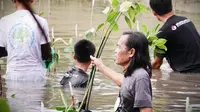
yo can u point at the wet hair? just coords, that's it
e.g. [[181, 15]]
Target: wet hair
[[83, 49], [45, 49], [161, 7], [141, 58]]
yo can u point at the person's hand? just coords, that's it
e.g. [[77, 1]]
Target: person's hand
[[98, 62]]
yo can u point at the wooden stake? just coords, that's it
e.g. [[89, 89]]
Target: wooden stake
[[1, 86], [72, 95]]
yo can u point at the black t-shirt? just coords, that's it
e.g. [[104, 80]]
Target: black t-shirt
[[183, 44], [76, 76]]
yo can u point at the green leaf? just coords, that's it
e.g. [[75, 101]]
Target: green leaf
[[128, 22], [125, 6], [115, 27], [70, 41], [13, 95], [100, 26], [56, 57], [159, 51], [131, 13], [42, 13], [137, 8], [134, 20], [59, 108], [162, 47], [106, 10], [112, 16], [155, 29], [115, 3], [142, 7], [89, 35], [4, 107], [71, 110], [144, 27], [152, 38], [159, 42]]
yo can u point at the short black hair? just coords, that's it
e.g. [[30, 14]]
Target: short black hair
[[161, 7], [83, 49]]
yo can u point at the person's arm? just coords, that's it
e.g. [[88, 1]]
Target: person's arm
[[45, 48], [117, 78], [157, 62], [3, 52], [146, 110], [45, 44], [143, 94]]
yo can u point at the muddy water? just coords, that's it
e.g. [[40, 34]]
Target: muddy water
[[169, 89]]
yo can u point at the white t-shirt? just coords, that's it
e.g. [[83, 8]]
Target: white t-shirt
[[22, 38]]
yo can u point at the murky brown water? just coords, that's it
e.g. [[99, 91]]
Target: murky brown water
[[169, 89]]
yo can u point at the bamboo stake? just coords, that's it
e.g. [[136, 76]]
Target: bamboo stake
[[1, 86], [2, 7], [72, 95], [76, 32], [91, 18], [49, 10]]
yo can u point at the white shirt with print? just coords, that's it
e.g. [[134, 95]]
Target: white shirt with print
[[22, 38]]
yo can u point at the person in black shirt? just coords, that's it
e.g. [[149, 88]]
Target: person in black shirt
[[77, 75], [183, 39]]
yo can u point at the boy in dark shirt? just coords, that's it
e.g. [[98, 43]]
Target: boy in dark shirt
[[183, 39], [77, 75]]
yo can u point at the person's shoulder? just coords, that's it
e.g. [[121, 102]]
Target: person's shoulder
[[7, 17], [140, 73], [77, 72], [41, 19], [180, 17]]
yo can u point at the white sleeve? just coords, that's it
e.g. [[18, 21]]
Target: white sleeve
[[46, 30], [2, 35]]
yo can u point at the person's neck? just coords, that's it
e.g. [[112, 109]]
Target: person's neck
[[19, 6], [165, 17], [82, 66], [125, 67]]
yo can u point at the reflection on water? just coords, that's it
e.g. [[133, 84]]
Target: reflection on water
[[169, 89], [25, 96]]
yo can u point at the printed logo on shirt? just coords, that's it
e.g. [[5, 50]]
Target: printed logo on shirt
[[21, 35], [174, 27]]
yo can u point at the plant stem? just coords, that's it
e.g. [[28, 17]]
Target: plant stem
[[106, 38], [107, 34], [63, 98]]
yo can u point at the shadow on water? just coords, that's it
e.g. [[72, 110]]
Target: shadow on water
[[169, 89]]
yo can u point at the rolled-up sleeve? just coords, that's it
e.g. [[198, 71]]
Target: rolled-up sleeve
[[143, 94]]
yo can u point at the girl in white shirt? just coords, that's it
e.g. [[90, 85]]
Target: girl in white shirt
[[25, 38]]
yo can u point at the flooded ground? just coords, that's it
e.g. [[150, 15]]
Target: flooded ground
[[169, 89]]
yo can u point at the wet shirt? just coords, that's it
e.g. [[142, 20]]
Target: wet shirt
[[135, 92], [183, 44], [78, 79], [76, 76], [20, 35]]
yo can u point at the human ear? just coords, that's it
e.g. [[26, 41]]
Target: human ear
[[131, 52]]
